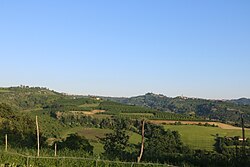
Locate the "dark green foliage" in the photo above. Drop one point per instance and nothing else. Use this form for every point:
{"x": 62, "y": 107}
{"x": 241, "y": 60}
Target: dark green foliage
{"x": 115, "y": 144}
{"x": 6, "y": 111}
{"x": 20, "y": 128}
{"x": 231, "y": 146}
{"x": 122, "y": 123}
{"x": 106, "y": 123}
{"x": 205, "y": 109}
{"x": 159, "y": 143}
{"x": 76, "y": 142}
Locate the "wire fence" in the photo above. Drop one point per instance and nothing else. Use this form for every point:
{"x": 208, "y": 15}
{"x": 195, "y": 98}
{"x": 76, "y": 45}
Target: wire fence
{"x": 16, "y": 159}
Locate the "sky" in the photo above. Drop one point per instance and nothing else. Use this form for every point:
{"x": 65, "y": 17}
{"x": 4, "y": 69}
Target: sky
{"x": 127, "y": 47}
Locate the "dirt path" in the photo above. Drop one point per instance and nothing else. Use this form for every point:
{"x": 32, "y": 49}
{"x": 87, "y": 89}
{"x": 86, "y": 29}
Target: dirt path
{"x": 219, "y": 124}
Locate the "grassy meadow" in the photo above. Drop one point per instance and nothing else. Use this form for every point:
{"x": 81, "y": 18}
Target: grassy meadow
{"x": 202, "y": 137}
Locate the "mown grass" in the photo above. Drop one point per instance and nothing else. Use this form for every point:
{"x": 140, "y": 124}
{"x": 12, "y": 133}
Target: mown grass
{"x": 98, "y": 147}
{"x": 201, "y": 137}
{"x": 134, "y": 138}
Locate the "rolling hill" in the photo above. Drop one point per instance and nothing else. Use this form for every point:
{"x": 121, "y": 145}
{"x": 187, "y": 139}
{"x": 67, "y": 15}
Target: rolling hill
{"x": 241, "y": 101}
{"x": 216, "y": 110}
{"x": 35, "y": 98}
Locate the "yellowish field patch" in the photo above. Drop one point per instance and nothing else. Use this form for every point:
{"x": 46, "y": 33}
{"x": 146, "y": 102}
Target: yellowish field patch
{"x": 219, "y": 124}
{"x": 88, "y": 112}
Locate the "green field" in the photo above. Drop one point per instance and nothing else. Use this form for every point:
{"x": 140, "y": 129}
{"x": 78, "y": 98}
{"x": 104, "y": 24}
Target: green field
{"x": 93, "y": 135}
{"x": 201, "y": 137}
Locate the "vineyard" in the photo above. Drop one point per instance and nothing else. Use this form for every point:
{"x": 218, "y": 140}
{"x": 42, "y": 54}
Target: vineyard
{"x": 137, "y": 112}
{"x": 19, "y": 160}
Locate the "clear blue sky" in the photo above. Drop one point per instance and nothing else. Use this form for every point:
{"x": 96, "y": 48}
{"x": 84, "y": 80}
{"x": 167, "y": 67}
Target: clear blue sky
{"x": 198, "y": 48}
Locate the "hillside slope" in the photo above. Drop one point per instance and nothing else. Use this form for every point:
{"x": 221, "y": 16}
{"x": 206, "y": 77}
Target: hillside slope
{"x": 24, "y": 97}
{"x": 241, "y": 101}
{"x": 219, "y": 110}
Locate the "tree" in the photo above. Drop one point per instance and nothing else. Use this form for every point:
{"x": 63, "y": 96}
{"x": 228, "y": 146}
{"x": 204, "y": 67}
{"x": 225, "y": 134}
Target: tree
{"x": 121, "y": 123}
{"x": 115, "y": 144}
{"x": 106, "y": 123}
{"x": 220, "y": 144}
{"x": 76, "y": 142}
{"x": 6, "y": 111}
{"x": 160, "y": 143}
{"x": 19, "y": 127}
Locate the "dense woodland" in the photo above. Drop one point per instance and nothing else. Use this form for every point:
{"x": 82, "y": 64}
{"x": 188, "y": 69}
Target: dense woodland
{"x": 57, "y": 112}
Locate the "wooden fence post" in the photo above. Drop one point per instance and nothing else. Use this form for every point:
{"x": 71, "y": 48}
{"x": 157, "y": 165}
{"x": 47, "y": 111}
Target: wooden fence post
{"x": 6, "y": 142}
{"x": 55, "y": 150}
{"x": 38, "y": 143}
{"x": 142, "y": 141}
